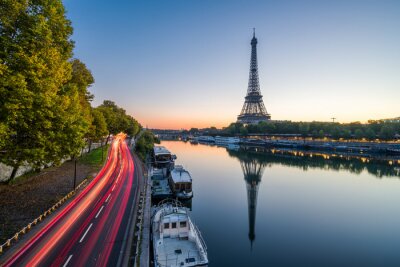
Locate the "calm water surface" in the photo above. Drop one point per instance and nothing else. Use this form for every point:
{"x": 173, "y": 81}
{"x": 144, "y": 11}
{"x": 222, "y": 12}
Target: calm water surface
{"x": 259, "y": 209}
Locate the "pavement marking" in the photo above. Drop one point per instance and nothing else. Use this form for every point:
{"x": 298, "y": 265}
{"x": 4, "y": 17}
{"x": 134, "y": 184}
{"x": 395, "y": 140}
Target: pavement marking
{"x": 66, "y": 263}
{"x": 97, "y": 215}
{"x": 108, "y": 197}
{"x": 113, "y": 188}
{"x": 87, "y": 230}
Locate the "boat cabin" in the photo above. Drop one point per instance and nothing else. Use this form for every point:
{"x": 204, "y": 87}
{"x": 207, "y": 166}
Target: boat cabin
{"x": 177, "y": 242}
{"x": 175, "y": 225}
{"x": 162, "y": 158}
{"x": 181, "y": 182}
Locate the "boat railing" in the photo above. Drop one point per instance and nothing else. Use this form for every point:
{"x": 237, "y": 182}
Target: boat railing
{"x": 168, "y": 206}
{"x": 170, "y": 257}
{"x": 200, "y": 236}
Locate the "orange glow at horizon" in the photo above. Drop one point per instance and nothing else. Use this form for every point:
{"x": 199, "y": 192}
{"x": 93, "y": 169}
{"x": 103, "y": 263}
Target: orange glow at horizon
{"x": 179, "y": 122}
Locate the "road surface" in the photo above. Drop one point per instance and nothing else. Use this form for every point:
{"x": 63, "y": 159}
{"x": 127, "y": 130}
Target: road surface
{"x": 92, "y": 230}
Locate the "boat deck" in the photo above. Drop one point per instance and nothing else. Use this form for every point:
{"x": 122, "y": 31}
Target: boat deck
{"x": 178, "y": 252}
{"x": 161, "y": 188}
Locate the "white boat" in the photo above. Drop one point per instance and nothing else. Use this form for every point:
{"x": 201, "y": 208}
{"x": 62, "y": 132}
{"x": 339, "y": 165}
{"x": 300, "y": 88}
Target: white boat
{"x": 162, "y": 158}
{"x": 181, "y": 182}
{"x": 227, "y": 140}
{"x": 176, "y": 240}
{"x": 205, "y": 138}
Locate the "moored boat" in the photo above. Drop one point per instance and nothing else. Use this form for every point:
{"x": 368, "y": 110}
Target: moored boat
{"x": 162, "y": 158}
{"x": 176, "y": 239}
{"x": 227, "y": 140}
{"x": 181, "y": 182}
{"x": 205, "y": 138}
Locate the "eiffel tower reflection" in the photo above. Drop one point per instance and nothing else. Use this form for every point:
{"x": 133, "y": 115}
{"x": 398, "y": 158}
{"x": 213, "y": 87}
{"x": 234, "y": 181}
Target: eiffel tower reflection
{"x": 253, "y": 166}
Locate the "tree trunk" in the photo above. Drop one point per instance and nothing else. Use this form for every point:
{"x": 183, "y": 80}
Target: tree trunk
{"x": 108, "y": 137}
{"x": 90, "y": 146}
{"x": 13, "y": 173}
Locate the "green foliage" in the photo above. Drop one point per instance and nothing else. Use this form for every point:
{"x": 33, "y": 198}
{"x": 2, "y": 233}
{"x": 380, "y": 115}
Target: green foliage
{"x": 45, "y": 111}
{"x": 386, "y": 130}
{"x": 358, "y": 133}
{"x": 94, "y": 156}
{"x": 370, "y": 134}
{"x": 35, "y": 95}
{"x": 45, "y": 105}
{"x": 145, "y": 144}
{"x": 304, "y": 128}
{"x": 117, "y": 120}
{"x": 98, "y": 127}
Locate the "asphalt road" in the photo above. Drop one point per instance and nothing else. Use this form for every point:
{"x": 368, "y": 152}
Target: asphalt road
{"x": 92, "y": 230}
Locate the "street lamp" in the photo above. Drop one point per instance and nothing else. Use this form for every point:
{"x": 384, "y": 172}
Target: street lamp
{"x": 101, "y": 150}
{"x": 74, "y": 172}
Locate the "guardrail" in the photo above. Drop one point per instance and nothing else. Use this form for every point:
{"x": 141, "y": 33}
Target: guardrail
{"x": 40, "y": 218}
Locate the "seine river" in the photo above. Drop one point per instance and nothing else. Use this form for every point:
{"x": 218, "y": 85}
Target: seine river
{"x": 263, "y": 208}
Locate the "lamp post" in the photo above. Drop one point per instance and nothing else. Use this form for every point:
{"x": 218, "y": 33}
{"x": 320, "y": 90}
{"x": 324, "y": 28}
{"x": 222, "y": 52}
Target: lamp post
{"x": 74, "y": 173}
{"x": 101, "y": 150}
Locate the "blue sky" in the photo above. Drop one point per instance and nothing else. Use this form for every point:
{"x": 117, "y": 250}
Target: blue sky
{"x": 182, "y": 64}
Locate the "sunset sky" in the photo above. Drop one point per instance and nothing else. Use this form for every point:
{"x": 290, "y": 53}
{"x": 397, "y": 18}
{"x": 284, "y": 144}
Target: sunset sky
{"x": 180, "y": 64}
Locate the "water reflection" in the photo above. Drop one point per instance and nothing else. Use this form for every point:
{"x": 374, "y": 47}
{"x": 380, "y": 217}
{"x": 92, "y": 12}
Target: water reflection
{"x": 312, "y": 160}
{"x": 300, "y": 208}
{"x": 253, "y": 169}
{"x": 254, "y": 161}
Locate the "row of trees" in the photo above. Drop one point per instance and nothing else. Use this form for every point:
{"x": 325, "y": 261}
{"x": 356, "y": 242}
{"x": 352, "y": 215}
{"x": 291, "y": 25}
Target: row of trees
{"x": 382, "y": 129}
{"x": 45, "y": 106}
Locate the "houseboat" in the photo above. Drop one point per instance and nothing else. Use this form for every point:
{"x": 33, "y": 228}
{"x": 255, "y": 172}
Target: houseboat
{"x": 181, "y": 183}
{"x": 176, "y": 239}
{"x": 162, "y": 158}
{"x": 205, "y": 138}
{"x": 227, "y": 140}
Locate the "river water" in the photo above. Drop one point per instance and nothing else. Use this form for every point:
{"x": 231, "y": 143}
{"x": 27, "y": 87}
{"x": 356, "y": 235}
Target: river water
{"x": 273, "y": 208}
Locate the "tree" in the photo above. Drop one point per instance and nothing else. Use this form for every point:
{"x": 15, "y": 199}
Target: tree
{"x": 98, "y": 127}
{"x": 35, "y": 47}
{"x": 117, "y": 120}
{"x": 387, "y": 132}
{"x": 82, "y": 78}
{"x": 266, "y": 127}
{"x": 321, "y": 134}
{"x": 304, "y": 127}
{"x": 358, "y": 133}
{"x": 145, "y": 144}
{"x": 370, "y": 134}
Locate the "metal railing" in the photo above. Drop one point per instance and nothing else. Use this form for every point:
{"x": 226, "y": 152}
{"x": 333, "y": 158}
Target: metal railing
{"x": 40, "y": 218}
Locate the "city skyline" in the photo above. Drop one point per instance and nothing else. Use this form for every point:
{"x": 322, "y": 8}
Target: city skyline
{"x": 316, "y": 60}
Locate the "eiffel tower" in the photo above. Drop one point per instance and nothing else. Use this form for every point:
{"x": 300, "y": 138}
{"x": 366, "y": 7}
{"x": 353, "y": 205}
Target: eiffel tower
{"x": 253, "y": 110}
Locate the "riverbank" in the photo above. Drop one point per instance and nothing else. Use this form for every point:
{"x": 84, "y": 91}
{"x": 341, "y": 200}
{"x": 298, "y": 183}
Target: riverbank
{"x": 31, "y": 194}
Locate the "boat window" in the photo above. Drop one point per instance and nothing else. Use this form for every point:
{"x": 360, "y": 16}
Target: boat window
{"x": 166, "y": 225}
{"x": 173, "y": 225}
{"x": 183, "y": 224}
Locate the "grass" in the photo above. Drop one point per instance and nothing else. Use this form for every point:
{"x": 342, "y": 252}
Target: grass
{"x": 94, "y": 157}
{"x": 23, "y": 178}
